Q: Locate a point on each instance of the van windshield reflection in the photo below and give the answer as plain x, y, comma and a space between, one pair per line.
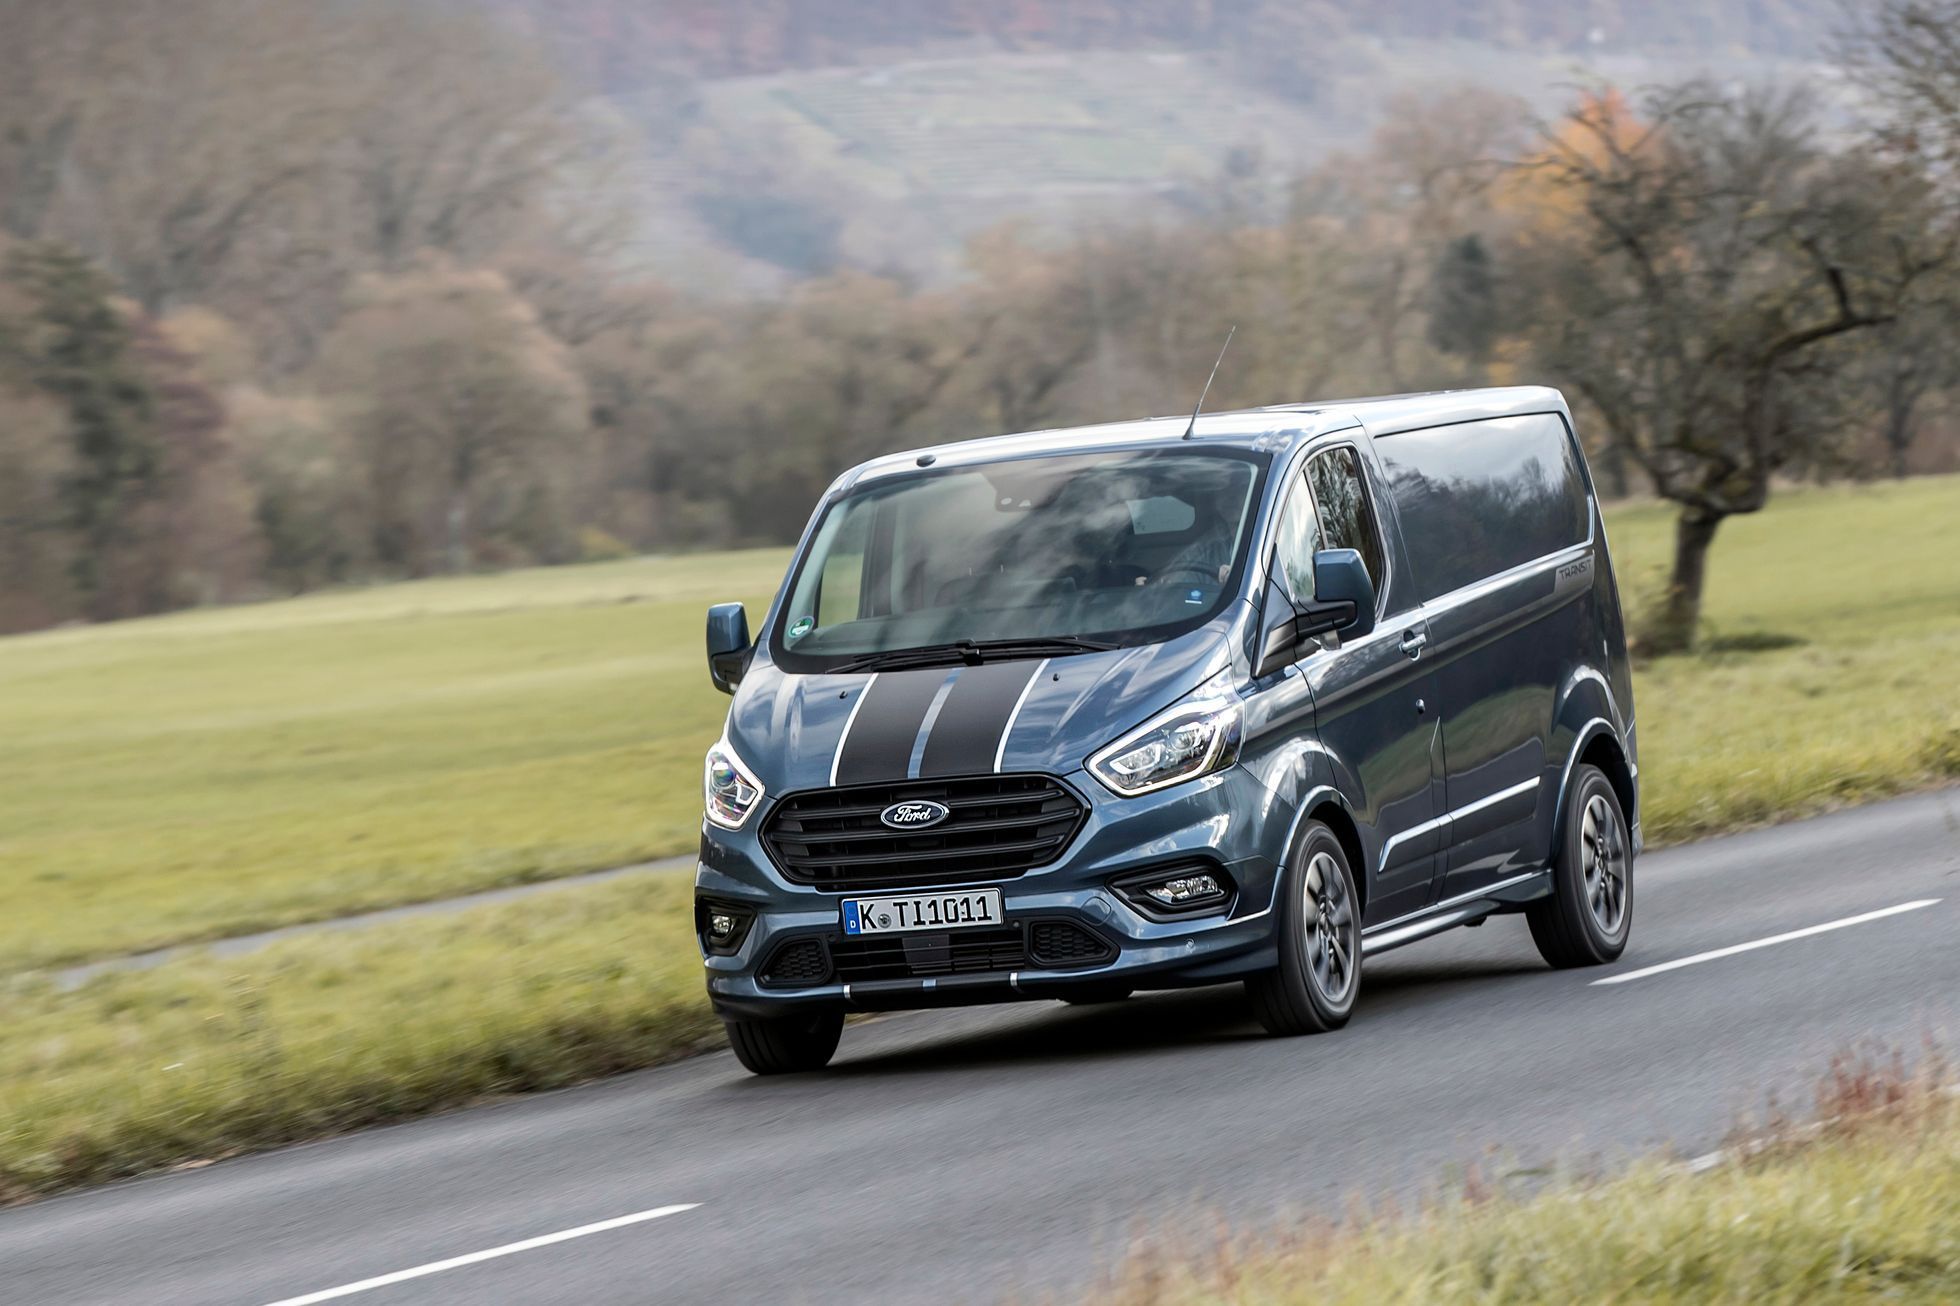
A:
1028, 558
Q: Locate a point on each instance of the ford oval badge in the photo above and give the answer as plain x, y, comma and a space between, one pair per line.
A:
914, 815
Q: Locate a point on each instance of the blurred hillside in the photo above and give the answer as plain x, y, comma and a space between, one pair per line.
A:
780, 139
297, 294
625, 44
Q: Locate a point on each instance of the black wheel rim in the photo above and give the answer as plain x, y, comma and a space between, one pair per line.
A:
1328, 941
1602, 850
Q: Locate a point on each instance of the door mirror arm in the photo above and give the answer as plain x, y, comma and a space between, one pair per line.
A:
1323, 618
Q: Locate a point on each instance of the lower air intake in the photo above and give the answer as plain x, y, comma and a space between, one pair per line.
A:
1060, 944
797, 964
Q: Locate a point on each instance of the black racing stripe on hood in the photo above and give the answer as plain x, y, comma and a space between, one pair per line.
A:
878, 746
967, 732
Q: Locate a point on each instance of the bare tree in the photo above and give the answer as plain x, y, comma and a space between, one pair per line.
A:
153, 136
450, 135
1703, 267
1912, 359
1423, 179
1906, 54
467, 416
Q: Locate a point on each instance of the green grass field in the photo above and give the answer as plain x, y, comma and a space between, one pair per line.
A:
212, 773
218, 772
1864, 703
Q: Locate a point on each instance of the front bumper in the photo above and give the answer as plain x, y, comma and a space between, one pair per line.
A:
1220, 819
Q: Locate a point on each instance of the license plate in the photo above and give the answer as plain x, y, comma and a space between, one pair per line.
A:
964, 909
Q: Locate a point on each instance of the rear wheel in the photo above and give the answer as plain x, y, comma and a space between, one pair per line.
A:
1313, 988
1590, 913
786, 1045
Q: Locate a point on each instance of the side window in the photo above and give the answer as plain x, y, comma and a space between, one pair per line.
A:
1479, 498
1296, 540
1345, 517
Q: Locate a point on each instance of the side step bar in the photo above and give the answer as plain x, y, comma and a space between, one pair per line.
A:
1460, 910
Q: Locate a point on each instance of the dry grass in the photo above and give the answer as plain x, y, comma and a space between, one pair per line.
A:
1860, 1202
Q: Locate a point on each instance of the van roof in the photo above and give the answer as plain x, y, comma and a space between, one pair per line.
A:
1263, 429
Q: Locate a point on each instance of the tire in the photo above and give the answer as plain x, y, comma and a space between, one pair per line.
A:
1312, 989
1587, 919
786, 1045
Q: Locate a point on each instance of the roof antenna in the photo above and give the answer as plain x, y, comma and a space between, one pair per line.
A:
1190, 430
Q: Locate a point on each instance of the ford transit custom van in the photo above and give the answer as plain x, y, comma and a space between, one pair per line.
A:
1246, 698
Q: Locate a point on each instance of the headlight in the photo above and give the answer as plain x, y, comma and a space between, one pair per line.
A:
1194, 738
730, 789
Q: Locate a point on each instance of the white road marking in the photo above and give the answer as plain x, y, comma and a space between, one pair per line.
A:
1804, 933
508, 1249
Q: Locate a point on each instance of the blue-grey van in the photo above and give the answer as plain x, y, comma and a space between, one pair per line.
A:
1248, 697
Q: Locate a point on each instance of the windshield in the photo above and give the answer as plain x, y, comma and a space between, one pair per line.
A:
1104, 549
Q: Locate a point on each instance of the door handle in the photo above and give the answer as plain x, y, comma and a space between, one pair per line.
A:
1412, 642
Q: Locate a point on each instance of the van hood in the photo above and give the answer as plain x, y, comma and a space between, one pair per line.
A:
800, 732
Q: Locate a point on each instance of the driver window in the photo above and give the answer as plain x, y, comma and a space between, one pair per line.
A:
1297, 539
1344, 512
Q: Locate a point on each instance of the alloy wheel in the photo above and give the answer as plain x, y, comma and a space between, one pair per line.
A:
1329, 938
1603, 847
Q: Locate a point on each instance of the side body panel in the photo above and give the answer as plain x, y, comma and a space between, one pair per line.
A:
1526, 650
1506, 652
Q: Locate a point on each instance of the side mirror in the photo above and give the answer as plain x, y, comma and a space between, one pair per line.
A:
1343, 596
729, 645
1344, 601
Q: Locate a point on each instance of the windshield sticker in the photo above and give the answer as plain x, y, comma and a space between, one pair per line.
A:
1195, 596
803, 626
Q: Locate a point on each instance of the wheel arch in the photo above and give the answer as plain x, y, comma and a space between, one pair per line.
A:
1598, 745
1327, 806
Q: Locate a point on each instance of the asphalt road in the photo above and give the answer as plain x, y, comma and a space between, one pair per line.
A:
967, 1155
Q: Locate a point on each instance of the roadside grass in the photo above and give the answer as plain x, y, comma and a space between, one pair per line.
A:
316, 1034
214, 773
1866, 1208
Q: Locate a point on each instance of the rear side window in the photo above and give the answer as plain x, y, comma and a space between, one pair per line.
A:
1479, 498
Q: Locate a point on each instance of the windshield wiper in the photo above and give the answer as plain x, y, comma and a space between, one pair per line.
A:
973, 652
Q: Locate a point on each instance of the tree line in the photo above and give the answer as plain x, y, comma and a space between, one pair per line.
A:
356, 307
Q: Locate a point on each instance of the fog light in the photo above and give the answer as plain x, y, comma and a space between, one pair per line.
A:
1167, 893
1185, 890
722, 928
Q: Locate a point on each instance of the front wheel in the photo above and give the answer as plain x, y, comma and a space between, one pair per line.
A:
1313, 988
786, 1045
1590, 913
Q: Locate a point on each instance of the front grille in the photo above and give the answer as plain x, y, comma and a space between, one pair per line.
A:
798, 963
997, 827
909, 956
1061, 943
